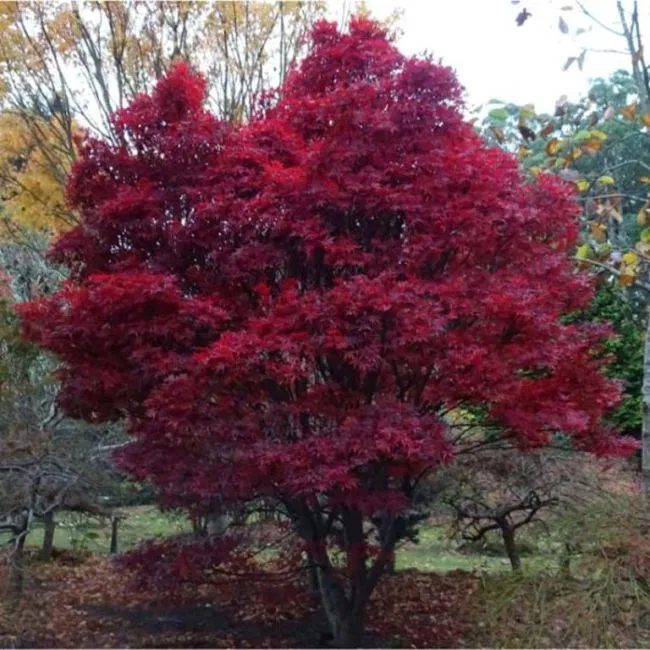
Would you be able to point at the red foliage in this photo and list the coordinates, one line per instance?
(286, 308)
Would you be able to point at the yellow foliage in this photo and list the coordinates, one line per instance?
(630, 259)
(32, 174)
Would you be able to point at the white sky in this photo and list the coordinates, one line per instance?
(494, 58)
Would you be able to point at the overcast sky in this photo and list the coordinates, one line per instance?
(496, 59)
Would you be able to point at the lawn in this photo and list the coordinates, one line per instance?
(435, 551)
(140, 523)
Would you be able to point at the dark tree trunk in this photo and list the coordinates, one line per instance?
(390, 565)
(48, 536)
(390, 529)
(346, 620)
(18, 569)
(511, 547)
(217, 524)
(348, 631)
(199, 527)
(115, 524)
(314, 587)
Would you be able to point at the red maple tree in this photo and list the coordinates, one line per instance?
(288, 309)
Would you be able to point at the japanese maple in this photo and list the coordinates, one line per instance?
(288, 309)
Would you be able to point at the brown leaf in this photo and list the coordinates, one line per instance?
(573, 155)
(615, 214)
(548, 129)
(643, 215)
(645, 119)
(599, 231)
(626, 277)
(643, 248)
(498, 134)
(592, 146)
(630, 111)
(552, 147)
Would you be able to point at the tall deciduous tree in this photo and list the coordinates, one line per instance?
(288, 310)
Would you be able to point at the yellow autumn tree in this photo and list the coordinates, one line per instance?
(70, 64)
(33, 169)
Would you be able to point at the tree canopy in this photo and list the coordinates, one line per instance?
(290, 309)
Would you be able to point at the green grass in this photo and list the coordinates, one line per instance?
(436, 552)
(140, 523)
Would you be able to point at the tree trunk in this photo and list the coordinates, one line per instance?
(314, 587)
(390, 565)
(115, 524)
(390, 529)
(511, 547)
(348, 631)
(217, 524)
(645, 396)
(346, 620)
(48, 536)
(18, 569)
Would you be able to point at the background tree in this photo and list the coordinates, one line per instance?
(70, 65)
(47, 462)
(600, 144)
(503, 491)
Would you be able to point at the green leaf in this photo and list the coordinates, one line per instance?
(583, 252)
(582, 135)
(645, 235)
(606, 180)
(498, 114)
(527, 111)
(599, 135)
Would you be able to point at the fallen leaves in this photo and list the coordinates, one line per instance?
(94, 605)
